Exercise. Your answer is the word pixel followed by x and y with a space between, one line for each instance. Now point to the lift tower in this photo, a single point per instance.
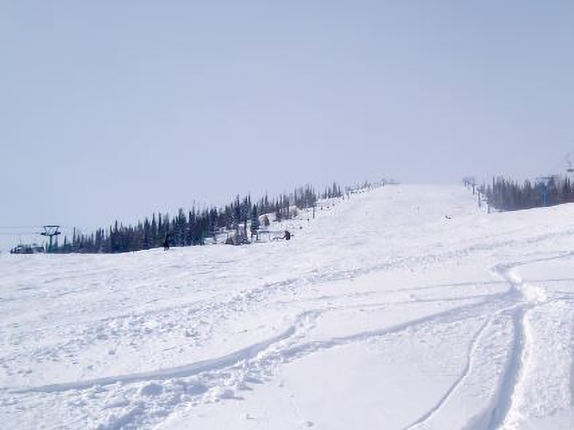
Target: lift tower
pixel 50 231
pixel 544 183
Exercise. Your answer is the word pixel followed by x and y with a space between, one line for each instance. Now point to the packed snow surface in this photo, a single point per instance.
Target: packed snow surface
pixel 406 307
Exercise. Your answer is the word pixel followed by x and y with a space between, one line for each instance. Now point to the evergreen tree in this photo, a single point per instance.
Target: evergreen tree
pixel 254 219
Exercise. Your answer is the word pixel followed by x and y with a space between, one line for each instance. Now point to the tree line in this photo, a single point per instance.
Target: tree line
pixel 195 226
pixel 508 195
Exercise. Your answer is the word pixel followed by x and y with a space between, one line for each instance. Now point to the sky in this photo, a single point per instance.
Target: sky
pixel 115 110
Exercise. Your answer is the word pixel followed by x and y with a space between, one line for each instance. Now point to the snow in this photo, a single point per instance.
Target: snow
pixel 380 313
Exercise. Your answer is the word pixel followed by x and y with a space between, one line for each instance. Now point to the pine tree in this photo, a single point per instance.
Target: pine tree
pixel 254 219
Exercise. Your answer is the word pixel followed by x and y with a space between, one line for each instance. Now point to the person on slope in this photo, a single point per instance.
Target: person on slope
pixel 166 242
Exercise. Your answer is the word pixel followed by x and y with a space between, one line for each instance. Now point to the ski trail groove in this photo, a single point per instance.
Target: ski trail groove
pixel 468 367
pixel 175 372
pixel 495 417
pixel 252 351
pixel 503 399
pixel 457 314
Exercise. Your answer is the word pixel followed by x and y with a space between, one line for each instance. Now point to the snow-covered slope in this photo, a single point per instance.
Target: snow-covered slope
pixel 382 313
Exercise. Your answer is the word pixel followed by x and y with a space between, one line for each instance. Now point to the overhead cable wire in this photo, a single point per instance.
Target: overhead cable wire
pixel 20 226
pixel 26 233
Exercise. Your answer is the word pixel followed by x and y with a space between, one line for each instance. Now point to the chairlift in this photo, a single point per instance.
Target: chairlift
pixel 570 169
pixel 544 181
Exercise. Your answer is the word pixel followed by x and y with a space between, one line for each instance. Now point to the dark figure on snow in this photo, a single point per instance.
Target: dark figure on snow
pixel 287 235
pixel 166 243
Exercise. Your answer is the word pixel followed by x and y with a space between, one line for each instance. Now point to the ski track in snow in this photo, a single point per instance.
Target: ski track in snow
pixel 252 351
pixel 467 368
pixel 303 298
pixel 176 372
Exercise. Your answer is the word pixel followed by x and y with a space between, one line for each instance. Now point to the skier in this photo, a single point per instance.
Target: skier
pixel 166 243
pixel 287 235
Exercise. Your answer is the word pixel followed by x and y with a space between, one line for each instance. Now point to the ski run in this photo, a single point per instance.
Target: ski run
pixel 406 307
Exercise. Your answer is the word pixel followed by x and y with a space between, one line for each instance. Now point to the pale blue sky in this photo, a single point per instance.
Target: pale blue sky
pixel 148 105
